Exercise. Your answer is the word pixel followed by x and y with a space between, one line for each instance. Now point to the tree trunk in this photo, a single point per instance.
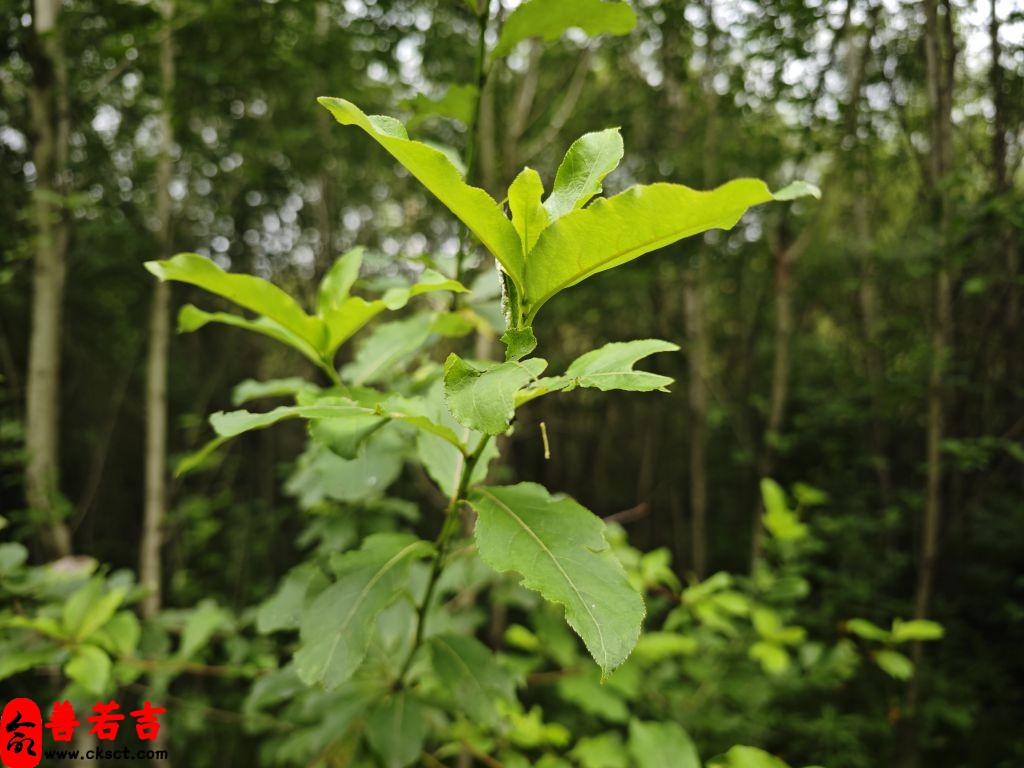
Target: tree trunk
pixel 1001 188
pixel 940 56
pixel 155 511
pixel 697 355
pixel 49 115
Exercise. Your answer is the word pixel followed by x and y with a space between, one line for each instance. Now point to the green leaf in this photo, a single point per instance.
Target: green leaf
pixel 590 158
pixel 746 757
pixel 443 461
pixel 918 629
pixel 484 398
pixel 772 657
pixel 336 628
pixel 378 352
pixel 587 692
pixel 656 745
pixel 603 751
pixel 202 622
pixel 473 206
pixel 782 522
pixel 89 667
pixel 120 636
pixel 613 231
pixel 471 677
pixel 458 102
pixel 867 630
pixel 396 729
pixel 283 610
pixel 246 291
pixel 529 217
pixel 658 646
pixel 560 549
pixel 250 389
pixel 355 312
pixel 547 20
pixel 12 556
pixel 894 664
pixel 519 342
pixel 796 190
pixel 338 282
pixel 15 659
pixel 322 474
pixel 89 608
pixel 192 318
pixel 611 366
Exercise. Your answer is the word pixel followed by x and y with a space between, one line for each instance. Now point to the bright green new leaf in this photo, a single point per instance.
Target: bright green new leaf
pixel 867 630
pixel 396 729
pixel 615 230
pixel 338 282
pixel 529 217
pixel 611 366
pixel 547 20
pixel 484 398
pixel 337 626
pixel 251 389
pixel 246 291
pixel 339 423
pixel 192 318
pixel 90 668
pixel 472 205
pixel 656 745
pixel 590 158
pixel 782 522
pixel 773 658
pixel 470 675
pixel 658 646
pixel 918 629
pixel 894 664
pixel 746 757
pixel 560 549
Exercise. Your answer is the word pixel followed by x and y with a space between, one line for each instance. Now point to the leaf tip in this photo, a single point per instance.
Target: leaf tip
pixel 797 189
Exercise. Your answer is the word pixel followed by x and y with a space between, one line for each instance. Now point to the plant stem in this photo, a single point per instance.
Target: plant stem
pixel 451 520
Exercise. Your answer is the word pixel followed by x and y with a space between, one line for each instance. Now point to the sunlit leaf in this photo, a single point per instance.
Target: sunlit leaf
pixel 529 217
pixel 473 206
pixel 547 20
pixel 246 291
pixel 590 158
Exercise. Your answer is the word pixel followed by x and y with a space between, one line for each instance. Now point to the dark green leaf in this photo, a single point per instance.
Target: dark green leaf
pixel 560 549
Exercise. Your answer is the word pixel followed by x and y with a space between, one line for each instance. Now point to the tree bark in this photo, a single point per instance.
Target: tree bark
pixel 159 341
pixel 50 122
pixel 940 57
